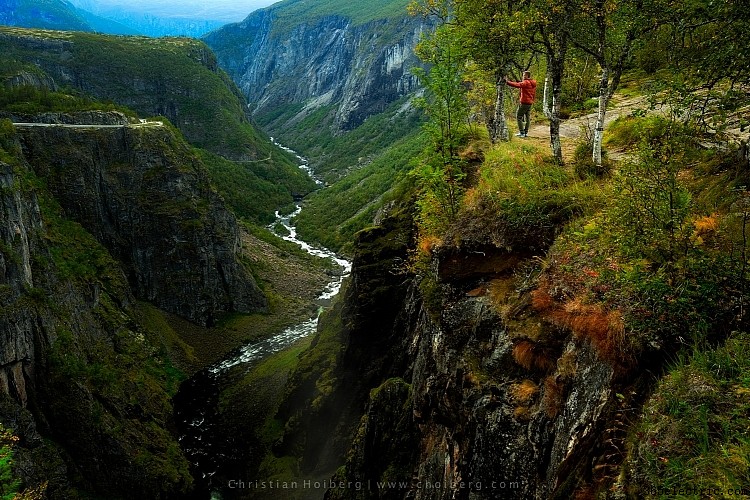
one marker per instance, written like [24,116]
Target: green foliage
[693,433]
[255,190]
[581,83]
[177,77]
[524,187]
[717,45]
[77,256]
[629,131]
[676,274]
[26,99]
[9,147]
[650,218]
[441,189]
[440,169]
[332,216]
[583,164]
[289,14]
[10,484]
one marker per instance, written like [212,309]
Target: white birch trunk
[600,115]
[546,108]
[501,123]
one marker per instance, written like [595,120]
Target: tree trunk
[497,125]
[555,68]
[604,95]
[546,108]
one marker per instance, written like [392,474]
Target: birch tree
[494,33]
[607,30]
[553,21]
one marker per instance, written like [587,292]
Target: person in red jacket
[528,92]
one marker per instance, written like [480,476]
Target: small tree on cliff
[607,30]
[440,169]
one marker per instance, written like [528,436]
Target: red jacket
[528,90]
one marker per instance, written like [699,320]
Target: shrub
[9,483]
[693,433]
[649,218]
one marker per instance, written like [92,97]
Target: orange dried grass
[523,354]
[708,224]
[524,392]
[428,243]
[530,356]
[604,329]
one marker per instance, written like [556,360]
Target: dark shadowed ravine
[202,438]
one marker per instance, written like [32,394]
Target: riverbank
[291,279]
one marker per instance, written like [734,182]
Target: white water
[258,350]
[202,440]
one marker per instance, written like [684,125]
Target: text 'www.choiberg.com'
[372,485]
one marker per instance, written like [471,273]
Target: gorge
[509,325]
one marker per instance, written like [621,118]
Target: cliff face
[178,78]
[80,384]
[147,199]
[91,219]
[468,391]
[357,69]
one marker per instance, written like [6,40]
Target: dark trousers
[524,118]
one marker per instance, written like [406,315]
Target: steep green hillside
[45,14]
[359,168]
[176,78]
[289,13]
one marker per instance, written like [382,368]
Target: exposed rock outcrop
[490,400]
[357,69]
[147,199]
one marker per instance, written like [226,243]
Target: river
[196,403]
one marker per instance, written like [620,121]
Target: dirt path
[572,128]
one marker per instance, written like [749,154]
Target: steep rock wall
[79,382]
[491,401]
[143,195]
[358,70]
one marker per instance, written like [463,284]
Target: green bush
[10,484]
[584,165]
[649,218]
[693,434]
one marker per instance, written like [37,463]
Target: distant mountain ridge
[46,14]
[297,57]
[88,16]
